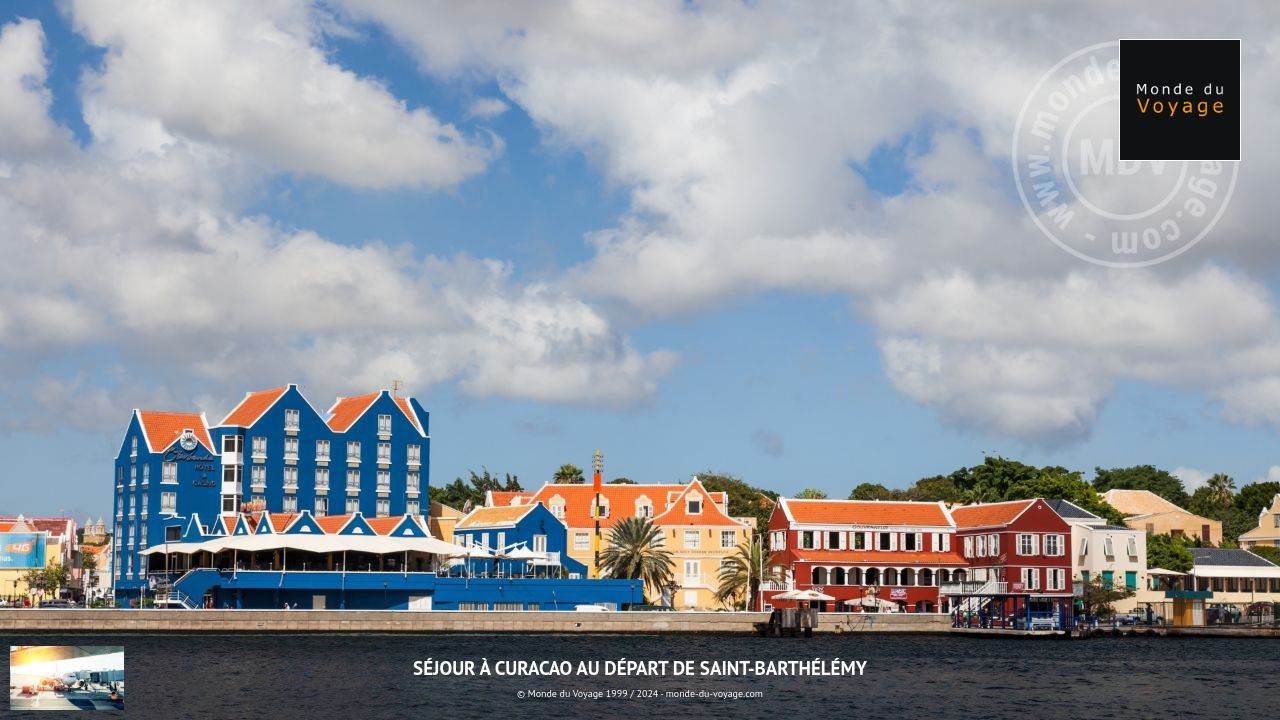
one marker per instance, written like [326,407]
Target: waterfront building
[868,555]
[1224,586]
[1152,514]
[97,585]
[442,519]
[1267,534]
[1116,553]
[275,475]
[34,543]
[267,560]
[519,540]
[696,527]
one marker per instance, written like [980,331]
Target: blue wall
[538,521]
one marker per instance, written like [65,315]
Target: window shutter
[893,541]
[1035,544]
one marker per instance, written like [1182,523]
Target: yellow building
[1267,534]
[695,523]
[441,519]
[59,547]
[1147,511]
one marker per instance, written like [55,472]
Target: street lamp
[384,595]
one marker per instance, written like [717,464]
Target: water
[907,676]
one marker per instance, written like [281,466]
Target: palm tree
[744,570]
[1222,487]
[569,474]
[980,493]
[635,553]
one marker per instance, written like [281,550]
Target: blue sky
[671,268]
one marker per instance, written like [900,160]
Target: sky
[778,240]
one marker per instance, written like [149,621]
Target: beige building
[1230,586]
[695,523]
[1113,552]
[441,519]
[1267,534]
[1150,513]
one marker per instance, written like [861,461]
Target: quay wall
[392,621]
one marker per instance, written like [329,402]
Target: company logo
[188,440]
[1066,163]
[20,548]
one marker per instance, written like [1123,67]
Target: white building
[1116,553]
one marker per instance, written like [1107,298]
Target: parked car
[56,604]
[590,608]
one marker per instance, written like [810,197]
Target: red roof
[162,429]
[53,526]
[865,512]
[871,557]
[502,498]
[252,407]
[347,410]
[403,404]
[989,514]
[677,513]
[332,523]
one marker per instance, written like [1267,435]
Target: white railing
[973,587]
[777,585]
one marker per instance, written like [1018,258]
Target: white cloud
[253,76]
[1192,479]
[486,108]
[24,101]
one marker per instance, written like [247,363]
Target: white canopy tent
[376,544]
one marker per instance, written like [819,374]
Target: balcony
[771,585]
[973,587]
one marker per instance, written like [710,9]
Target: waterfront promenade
[390,621]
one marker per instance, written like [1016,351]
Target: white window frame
[695,536]
[696,575]
[291,448]
[1053,545]
[384,481]
[322,506]
[353,506]
[413,481]
[384,424]
[981,546]
[581,541]
[168,503]
[353,451]
[968,546]
[259,446]
[1030,578]
[291,503]
[1057,579]
[291,419]
[384,452]
[291,477]
[414,454]
[322,450]
[411,507]
[382,508]
[353,475]
[1028,545]
[728,539]
[322,479]
[169,473]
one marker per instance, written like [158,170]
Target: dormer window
[644,507]
[602,510]
[693,505]
[556,505]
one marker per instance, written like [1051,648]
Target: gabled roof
[162,429]
[677,513]
[304,524]
[357,524]
[487,517]
[578,498]
[1228,556]
[989,514]
[865,512]
[57,527]
[408,526]
[500,498]
[347,410]
[1138,502]
[403,404]
[1068,510]
[252,407]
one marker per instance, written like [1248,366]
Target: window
[353,480]
[146,475]
[910,541]
[169,473]
[353,451]
[1057,579]
[806,539]
[290,477]
[415,454]
[1108,578]
[981,546]
[384,452]
[1131,547]
[383,508]
[119,475]
[993,545]
[133,447]
[384,481]
[144,506]
[859,541]
[886,541]
[228,503]
[1131,579]
[169,503]
[1030,578]
[1027,544]
[322,479]
[728,539]
[1053,545]
[232,443]
[693,505]
[133,474]
[581,541]
[353,506]
[644,507]
[539,543]
[291,448]
[411,507]
[692,539]
[384,424]
[557,509]
[291,503]
[1084,545]
[290,419]
[968,546]
[1108,547]
[322,450]
[322,506]
[259,446]
[603,509]
[692,571]
[258,476]
[413,480]
[778,540]
[119,506]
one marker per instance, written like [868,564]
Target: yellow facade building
[1147,511]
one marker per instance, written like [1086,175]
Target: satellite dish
[466,506]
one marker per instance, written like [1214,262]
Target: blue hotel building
[180,482]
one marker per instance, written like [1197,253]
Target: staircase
[169,596]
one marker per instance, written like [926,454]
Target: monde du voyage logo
[1125,153]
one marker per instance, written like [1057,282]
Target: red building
[1017,555]
[869,555]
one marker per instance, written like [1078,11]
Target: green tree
[1099,596]
[938,488]
[743,571]
[460,492]
[744,500]
[1056,483]
[622,481]
[1168,552]
[811,494]
[1267,552]
[1142,477]
[1208,502]
[1256,497]
[569,474]
[1222,487]
[635,552]
[871,491]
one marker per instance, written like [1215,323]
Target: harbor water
[908,676]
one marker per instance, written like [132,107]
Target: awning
[1162,571]
[376,544]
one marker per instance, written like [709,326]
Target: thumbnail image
[66,677]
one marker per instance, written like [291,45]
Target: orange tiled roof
[677,512]
[347,410]
[384,525]
[403,404]
[502,498]
[866,512]
[161,429]
[332,523]
[281,520]
[989,514]
[252,407]
[487,516]
[621,499]
[4,526]
[870,557]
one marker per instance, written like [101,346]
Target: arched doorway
[820,576]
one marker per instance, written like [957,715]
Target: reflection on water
[371,676]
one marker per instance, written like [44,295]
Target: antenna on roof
[395,386]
